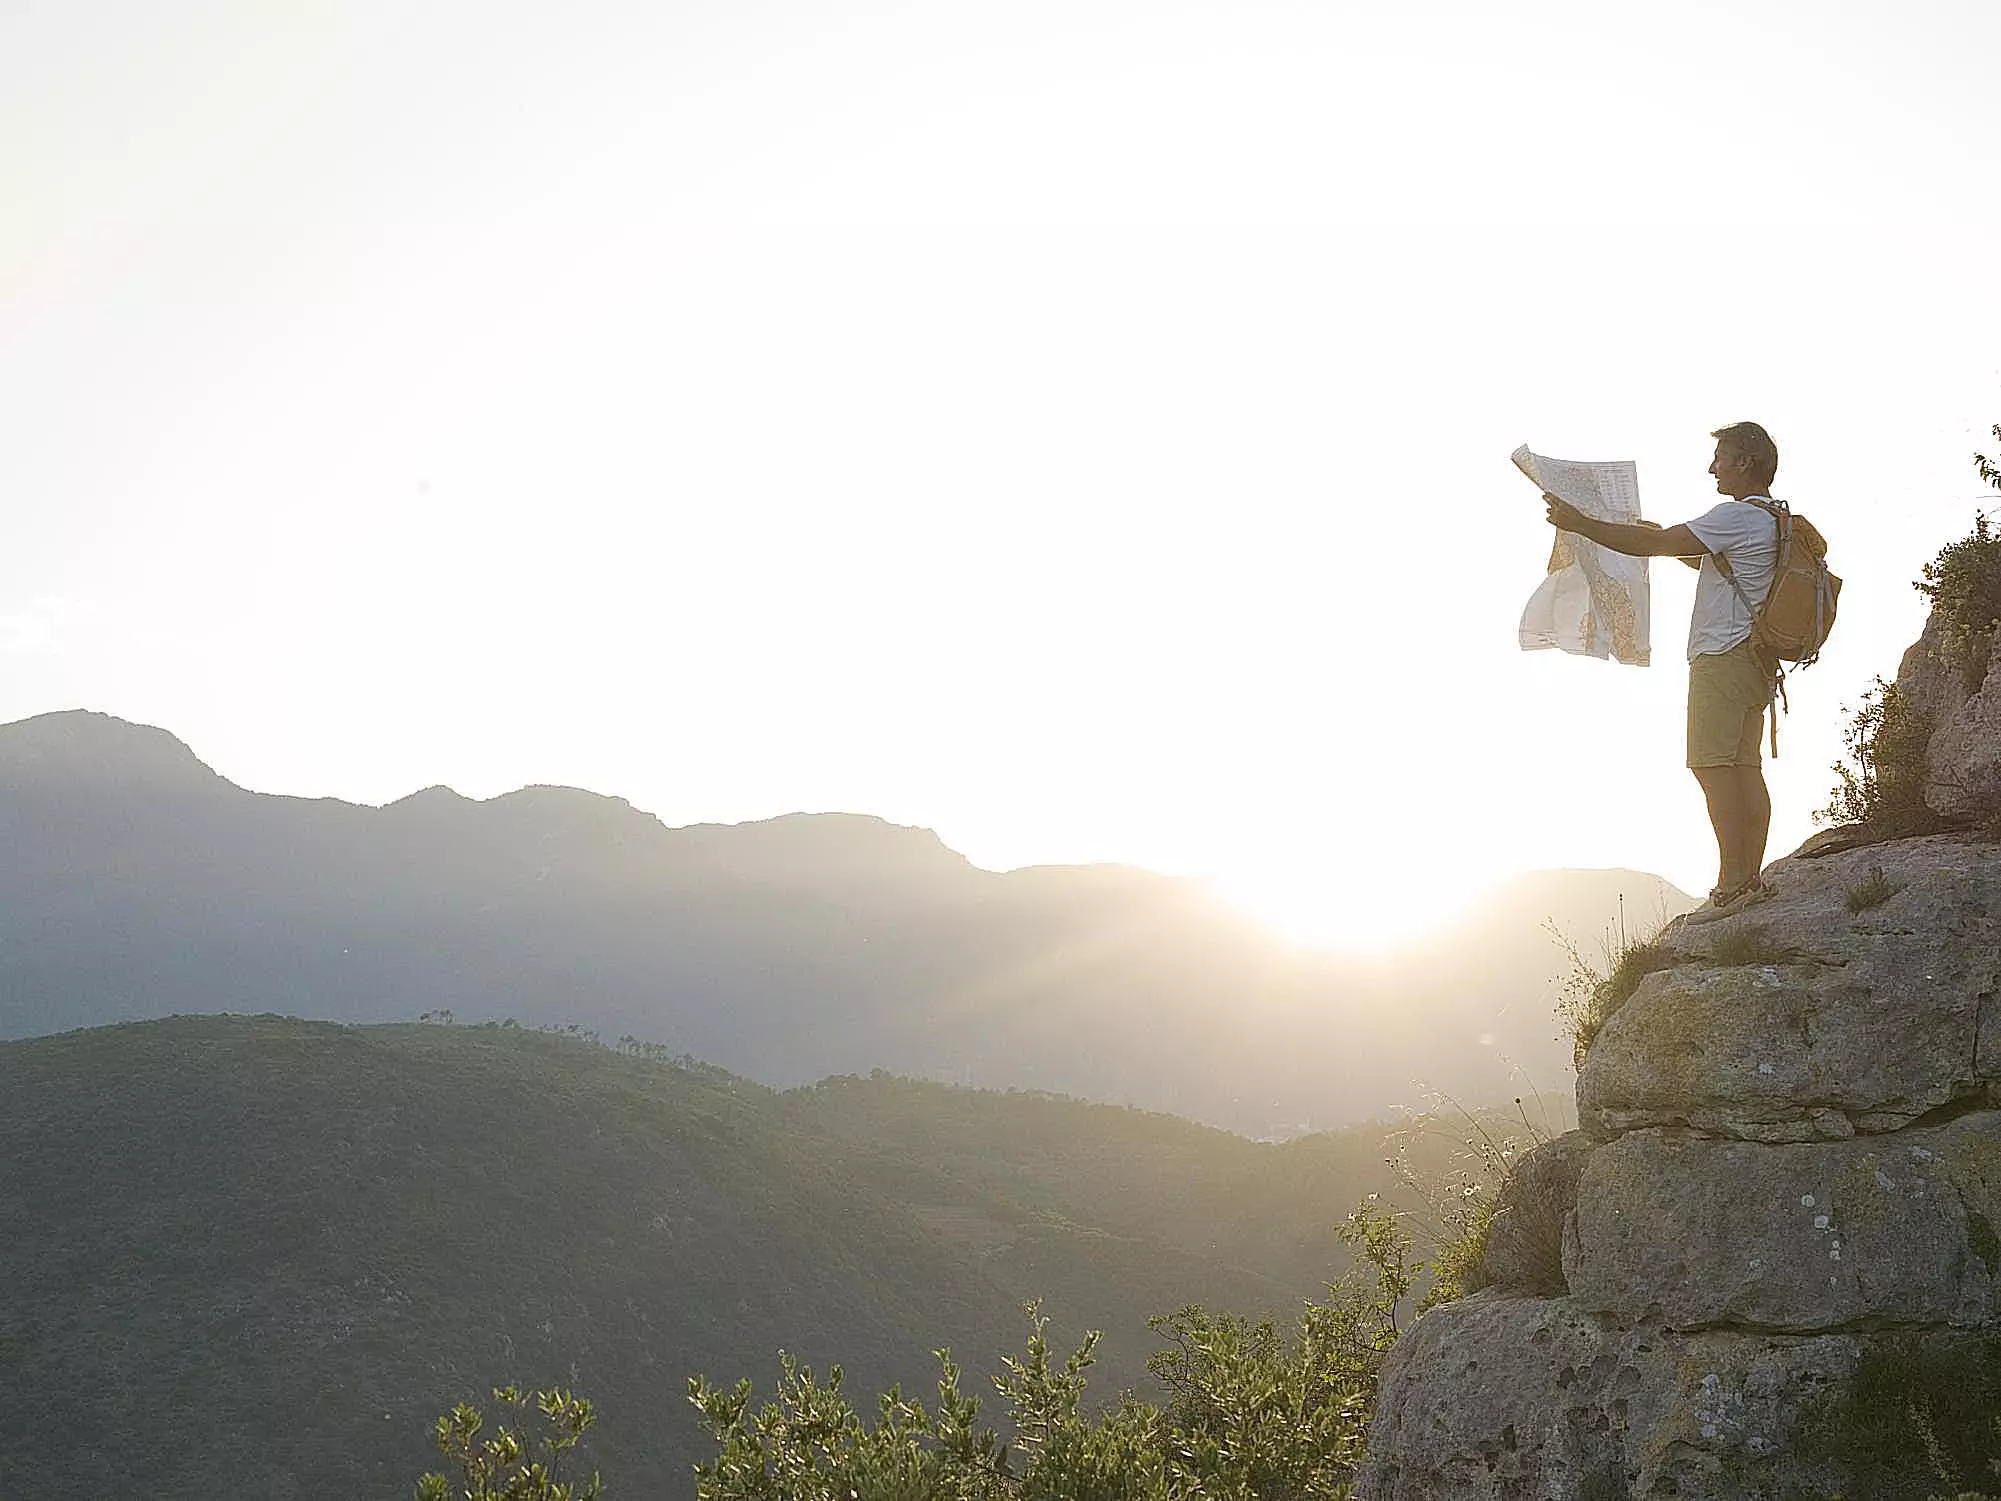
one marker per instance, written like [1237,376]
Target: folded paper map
[1593,601]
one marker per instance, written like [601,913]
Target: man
[1729,680]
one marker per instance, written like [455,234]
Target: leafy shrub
[1964,583]
[1882,782]
[1250,1413]
[507,1466]
[809,1444]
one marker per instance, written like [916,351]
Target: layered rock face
[1790,1148]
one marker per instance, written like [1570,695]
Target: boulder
[1955,679]
[1531,1399]
[1804,1020]
[1838,840]
[1524,1251]
[1691,1232]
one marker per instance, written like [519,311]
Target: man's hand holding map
[1593,601]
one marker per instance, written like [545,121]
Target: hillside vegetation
[255,1256]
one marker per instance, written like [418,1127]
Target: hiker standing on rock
[1729,677]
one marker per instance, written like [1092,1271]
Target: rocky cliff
[1952,678]
[1781,1210]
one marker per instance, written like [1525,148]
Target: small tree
[1964,581]
[1990,469]
[1254,1414]
[509,1466]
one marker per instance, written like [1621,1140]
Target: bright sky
[1078,427]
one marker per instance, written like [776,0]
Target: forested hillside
[241,1249]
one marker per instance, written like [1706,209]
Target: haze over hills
[142,884]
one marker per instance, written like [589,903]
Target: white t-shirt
[1748,537]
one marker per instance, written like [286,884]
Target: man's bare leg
[1720,790]
[1740,811]
[1755,803]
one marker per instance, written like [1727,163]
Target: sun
[1328,905]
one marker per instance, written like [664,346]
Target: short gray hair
[1755,444]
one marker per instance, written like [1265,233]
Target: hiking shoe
[1724,904]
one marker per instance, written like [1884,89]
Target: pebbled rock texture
[1533,1399]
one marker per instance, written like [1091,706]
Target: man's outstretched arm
[1635,541]
[1694,562]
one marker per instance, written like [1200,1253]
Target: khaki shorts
[1727,695]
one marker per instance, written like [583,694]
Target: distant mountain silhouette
[139,883]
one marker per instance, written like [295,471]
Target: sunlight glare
[1364,907]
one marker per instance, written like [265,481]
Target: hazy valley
[262,1249]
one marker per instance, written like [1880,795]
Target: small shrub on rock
[1873,892]
[1882,783]
[1590,996]
[1457,1215]
[1882,779]
[1964,584]
[1459,1265]
[1749,943]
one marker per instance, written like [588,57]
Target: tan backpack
[1793,622]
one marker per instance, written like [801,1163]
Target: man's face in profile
[1728,467]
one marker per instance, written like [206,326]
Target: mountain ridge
[787,949]
[85,745]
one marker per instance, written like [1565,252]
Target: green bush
[1251,1414]
[1964,583]
[1882,783]
[508,1466]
